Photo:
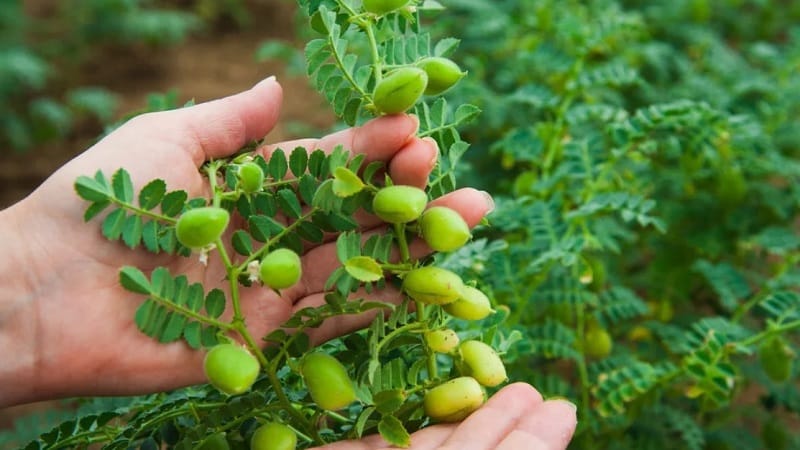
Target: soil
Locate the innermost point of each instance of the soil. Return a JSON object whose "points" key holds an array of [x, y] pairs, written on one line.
{"points": [[212, 64]]}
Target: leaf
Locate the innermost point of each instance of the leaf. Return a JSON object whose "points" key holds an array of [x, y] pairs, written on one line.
{"points": [[132, 231], [113, 224], [346, 183], [90, 189], [94, 209], [389, 401], [242, 243], [215, 303], [394, 432], [122, 185], [289, 204], [173, 203], [364, 268], [134, 280], [278, 165], [152, 194], [298, 161]]}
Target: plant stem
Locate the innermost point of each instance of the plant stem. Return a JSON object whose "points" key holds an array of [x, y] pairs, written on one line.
{"points": [[274, 240], [583, 373]]}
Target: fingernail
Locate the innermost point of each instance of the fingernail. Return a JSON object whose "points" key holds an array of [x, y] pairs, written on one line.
{"points": [[415, 119], [269, 79], [432, 142], [565, 401], [489, 201]]}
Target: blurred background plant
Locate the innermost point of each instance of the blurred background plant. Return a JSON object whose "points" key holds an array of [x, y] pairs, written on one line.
{"points": [[643, 155]]}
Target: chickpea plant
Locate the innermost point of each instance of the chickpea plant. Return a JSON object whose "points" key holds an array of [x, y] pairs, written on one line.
{"points": [[409, 368]]}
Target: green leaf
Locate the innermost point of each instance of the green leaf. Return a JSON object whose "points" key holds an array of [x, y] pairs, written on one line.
{"points": [[192, 335], [152, 194], [215, 303], [289, 204], [150, 236], [94, 209], [364, 268], [91, 190], [298, 161], [242, 243], [132, 231], [394, 432], [278, 165], [317, 164], [346, 183], [307, 187], [389, 401], [113, 224], [172, 203], [122, 185], [260, 227], [134, 280]]}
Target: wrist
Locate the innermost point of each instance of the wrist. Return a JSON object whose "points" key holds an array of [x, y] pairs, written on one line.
{"points": [[18, 313]]}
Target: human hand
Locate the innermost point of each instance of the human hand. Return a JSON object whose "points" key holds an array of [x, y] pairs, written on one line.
{"points": [[516, 418], [63, 313]]}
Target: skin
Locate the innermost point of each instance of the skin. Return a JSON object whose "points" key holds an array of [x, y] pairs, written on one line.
{"points": [[68, 325]]}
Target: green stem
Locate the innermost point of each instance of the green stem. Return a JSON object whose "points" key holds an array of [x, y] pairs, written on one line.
{"points": [[143, 212], [274, 240], [402, 242], [583, 373], [189, 313], [413, 326], [211, 172], [779, 329]]}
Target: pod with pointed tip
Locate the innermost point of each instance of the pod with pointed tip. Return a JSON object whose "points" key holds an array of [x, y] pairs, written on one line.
{"points": [[327, 380], [482, 363], [472, 304], [399, 90], [442, 73], [433, 285], [399, 204], [454, 400]]}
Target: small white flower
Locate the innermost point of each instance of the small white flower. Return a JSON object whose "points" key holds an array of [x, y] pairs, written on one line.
{"points": [[253, 271]]}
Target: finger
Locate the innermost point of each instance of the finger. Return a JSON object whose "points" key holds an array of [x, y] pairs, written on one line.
{"points": [[379, 139], [553, 422], [220, 127], [521, 440], [487, 427], [426, 439], [413, 164]]}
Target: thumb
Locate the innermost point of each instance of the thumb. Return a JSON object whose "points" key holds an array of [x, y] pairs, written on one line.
{"points": [[220, 127]]}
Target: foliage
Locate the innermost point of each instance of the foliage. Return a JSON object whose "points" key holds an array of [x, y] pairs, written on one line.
{"points": [[643, 155]]}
